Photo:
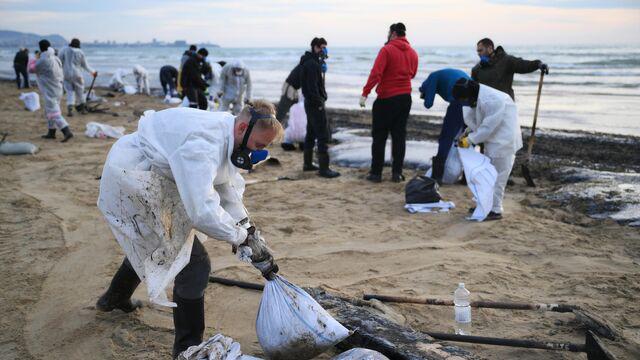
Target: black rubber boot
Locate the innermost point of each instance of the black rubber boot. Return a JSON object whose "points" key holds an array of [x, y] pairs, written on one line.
{"points": [[374, 178], [67, 134], [51, 134], [188, 321], [118, 296], [397, 177], [437, 169], [308, 161], [81, 108], [288, 146], [325, 171], [69, 110]]}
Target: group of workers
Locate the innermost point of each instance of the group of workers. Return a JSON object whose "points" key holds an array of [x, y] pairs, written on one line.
{"points": [[199, 153]]}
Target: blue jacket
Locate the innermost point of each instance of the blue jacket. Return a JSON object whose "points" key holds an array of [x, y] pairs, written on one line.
{"points": [[441, 82]]}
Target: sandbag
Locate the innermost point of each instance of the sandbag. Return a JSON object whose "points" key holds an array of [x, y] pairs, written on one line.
{"points": [[17, 148], [360, 354], [31, 100], [291, 325], [452, 167], [102, 131], [217, 347], [421, 190]]}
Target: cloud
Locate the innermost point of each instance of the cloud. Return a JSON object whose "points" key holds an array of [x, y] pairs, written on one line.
{"points": [[573, 4]]}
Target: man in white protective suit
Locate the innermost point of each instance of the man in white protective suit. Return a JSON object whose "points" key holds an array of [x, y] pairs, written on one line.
{"points": [[235, 86], [142, 79], [73, 62], [48, 69], [491, 118], [167, 187]]}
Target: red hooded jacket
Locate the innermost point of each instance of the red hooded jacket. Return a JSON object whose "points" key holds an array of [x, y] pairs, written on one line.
{"points": [[395, 66]]}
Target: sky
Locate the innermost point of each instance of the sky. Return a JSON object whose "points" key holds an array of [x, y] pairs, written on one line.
{"points": [[289, 23]]}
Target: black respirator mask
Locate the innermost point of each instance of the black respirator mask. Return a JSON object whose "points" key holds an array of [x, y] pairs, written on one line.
{"points": [[243, 157]]}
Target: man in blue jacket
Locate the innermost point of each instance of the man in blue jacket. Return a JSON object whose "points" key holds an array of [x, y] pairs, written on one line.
{"points": [[441, 82]]}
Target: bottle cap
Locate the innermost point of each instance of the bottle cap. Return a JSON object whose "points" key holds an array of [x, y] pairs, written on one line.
{"points": [[461, 285]]}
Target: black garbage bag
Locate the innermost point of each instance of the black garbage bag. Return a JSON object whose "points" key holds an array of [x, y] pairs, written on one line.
{"points": [[422, 190]]}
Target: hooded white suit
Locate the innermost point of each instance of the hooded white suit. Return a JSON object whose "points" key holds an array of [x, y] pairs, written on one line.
{"points": [[48, 68], [494, 123], [73, 62], [234, 87], [166, 182]]}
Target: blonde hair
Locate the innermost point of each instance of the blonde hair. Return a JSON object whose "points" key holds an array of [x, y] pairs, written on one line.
{"points": [[265, 108]]}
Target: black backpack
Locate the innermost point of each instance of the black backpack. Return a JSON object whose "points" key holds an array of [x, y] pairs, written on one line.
{"points": [[421, 190]]}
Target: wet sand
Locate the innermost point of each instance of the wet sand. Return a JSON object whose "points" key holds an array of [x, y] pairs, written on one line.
{"points": [[347, 235]]}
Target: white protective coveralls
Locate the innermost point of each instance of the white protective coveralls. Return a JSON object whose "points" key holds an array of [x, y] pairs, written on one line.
{"points": [[73, 62], [234, 87], [48, 68], [494, 122], [168, 181], [142, 79]]}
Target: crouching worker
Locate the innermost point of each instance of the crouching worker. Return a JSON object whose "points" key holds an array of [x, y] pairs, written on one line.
{"points": [[492, 119], [184, 160]]}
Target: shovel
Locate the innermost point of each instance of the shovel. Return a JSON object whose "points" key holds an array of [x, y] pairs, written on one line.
{"points": [[93, 81], [532, 139]]}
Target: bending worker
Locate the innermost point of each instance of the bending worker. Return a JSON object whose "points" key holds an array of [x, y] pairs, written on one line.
{"points": [[235, 86], [169, 80], [492, 119], [73, 62], [194, 154], [142, 79], [441, 82]]}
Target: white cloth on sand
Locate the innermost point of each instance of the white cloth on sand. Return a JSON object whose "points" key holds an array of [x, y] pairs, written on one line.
{"points": [[440, 206], [217, 347], [98, 130], [168, 182], [481, 178]]}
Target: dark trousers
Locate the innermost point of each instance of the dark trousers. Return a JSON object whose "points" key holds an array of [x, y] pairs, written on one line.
{"points": [[197, 98], [168, 85], [451, 126], [22, 70], [317, 128], [389, 116], [283, 108]]}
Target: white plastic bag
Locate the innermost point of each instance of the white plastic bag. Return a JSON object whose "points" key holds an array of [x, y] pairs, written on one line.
{"points": [[292, 325], [481, 178], [217, 347], [129, 90], [102, 131], [17, 148], [452, 167], [360, 354], [297, 126], [31, 100]]}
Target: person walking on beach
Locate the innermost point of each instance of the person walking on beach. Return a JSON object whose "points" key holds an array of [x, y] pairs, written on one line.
{"points": [[395, 66], [491, 117], [48, 69], [496, 67], [191, 156], [441, 82], [235, 86], [315, 96], [169, 80], [73, 62], [192, 80], [20, 62]]}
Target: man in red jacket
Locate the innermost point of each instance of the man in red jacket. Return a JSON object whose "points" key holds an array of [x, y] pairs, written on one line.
{"points": [[395, 66]]}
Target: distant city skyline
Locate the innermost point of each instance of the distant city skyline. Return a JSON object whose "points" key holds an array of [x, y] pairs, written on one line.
{"points": [[290, 23]]}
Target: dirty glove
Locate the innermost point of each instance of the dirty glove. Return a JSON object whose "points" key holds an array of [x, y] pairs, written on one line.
{"points": [[363, 100], [464, 142], [544, 68], [254, 249]]}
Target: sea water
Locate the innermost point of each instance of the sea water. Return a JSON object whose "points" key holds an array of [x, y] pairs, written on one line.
{"points": [[593, 88]]}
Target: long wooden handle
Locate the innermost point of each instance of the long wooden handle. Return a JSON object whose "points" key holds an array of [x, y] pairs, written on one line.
{"points": [[532, 137]]}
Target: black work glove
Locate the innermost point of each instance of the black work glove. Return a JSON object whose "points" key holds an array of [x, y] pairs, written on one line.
{"points": [[260, 257], [544, 68]]}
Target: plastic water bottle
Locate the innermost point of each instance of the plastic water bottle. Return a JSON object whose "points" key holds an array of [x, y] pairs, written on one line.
{"points": [[462, 302]]}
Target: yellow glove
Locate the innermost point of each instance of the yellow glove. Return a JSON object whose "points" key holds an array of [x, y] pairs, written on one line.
{"points": [[464, 142]]}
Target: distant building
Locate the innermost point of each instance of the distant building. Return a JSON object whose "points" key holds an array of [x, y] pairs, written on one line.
{"points": [[182, 43]]}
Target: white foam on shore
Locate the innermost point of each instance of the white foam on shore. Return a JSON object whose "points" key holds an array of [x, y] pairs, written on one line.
{"points": [[354, 150]]}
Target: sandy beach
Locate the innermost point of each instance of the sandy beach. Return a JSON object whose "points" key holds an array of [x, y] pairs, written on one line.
{"points": [[346, 235]]}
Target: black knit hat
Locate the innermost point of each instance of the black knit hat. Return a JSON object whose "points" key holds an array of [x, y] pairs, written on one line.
{"points": [[398, 28], [44, 44], [75, 43], [204, 52], [466, 89]]}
